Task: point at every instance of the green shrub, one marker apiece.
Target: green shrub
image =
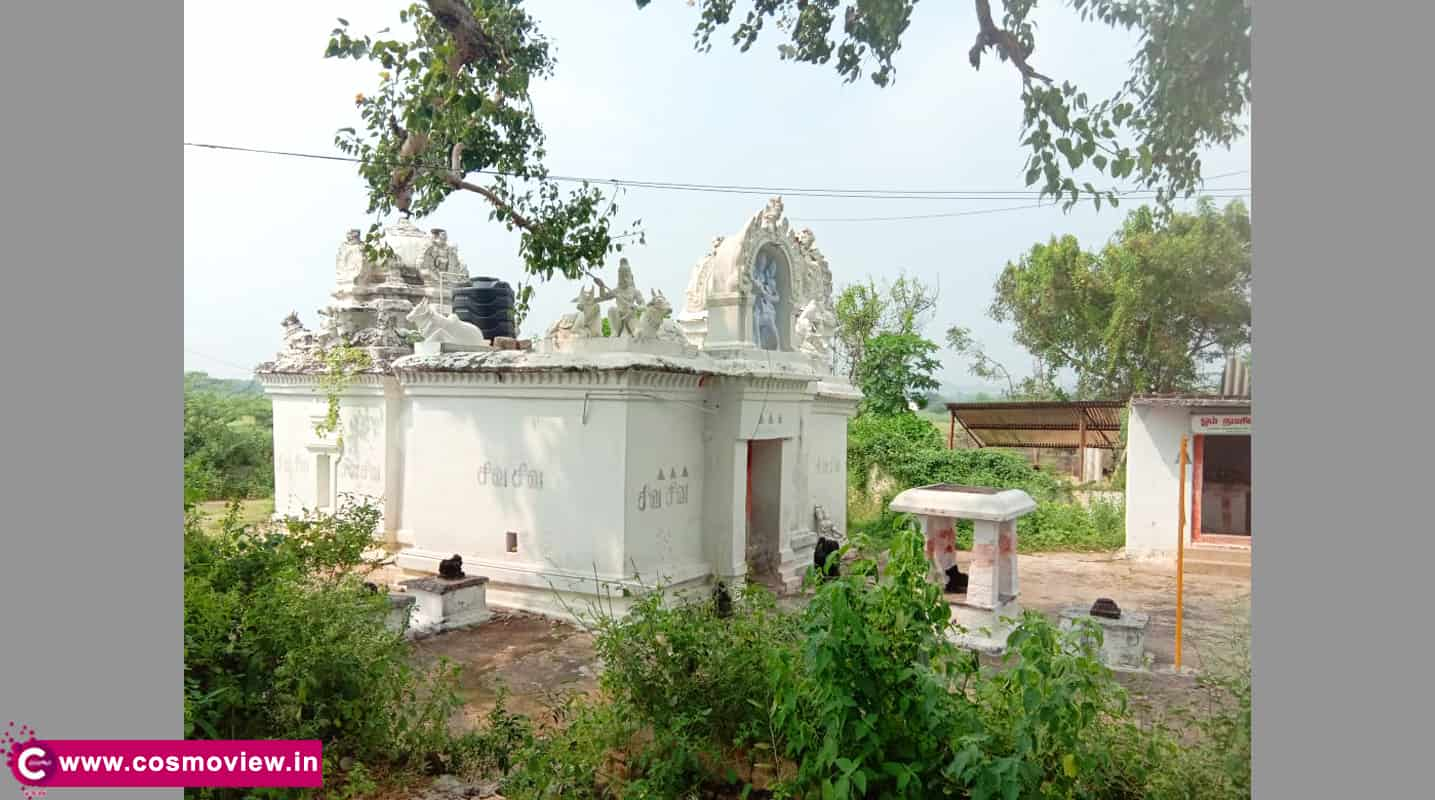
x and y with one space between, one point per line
284 641
861 694
910 451
869 709
1068 526
684 666
228 442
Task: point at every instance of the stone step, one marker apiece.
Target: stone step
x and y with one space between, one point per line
1224 563
1232 555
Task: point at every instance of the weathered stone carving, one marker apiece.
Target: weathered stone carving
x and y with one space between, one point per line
447 328
824 525
441 261
350 266
584 323
297 338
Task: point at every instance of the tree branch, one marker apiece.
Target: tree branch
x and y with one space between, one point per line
471 41
1004 41
455 179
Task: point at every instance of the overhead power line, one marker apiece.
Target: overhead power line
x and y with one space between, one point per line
788 191
219 360
973 212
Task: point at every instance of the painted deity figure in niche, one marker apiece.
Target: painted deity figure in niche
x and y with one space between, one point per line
764 307
627 301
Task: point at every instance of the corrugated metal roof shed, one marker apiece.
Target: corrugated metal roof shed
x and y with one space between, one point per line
1048 425
1234 403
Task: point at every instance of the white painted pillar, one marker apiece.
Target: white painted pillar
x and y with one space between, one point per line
1006 561
983 584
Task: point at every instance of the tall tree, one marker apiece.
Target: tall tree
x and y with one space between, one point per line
865 310
896 372
1041 384
1189 88
1165 297
452 113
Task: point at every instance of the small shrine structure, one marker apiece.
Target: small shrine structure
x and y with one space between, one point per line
574 466
990 600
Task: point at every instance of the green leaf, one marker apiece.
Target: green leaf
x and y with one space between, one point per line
1068 765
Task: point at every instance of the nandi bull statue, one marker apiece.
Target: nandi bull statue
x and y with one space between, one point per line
444 328
583 323
654 314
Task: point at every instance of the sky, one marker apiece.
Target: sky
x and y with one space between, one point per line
631 99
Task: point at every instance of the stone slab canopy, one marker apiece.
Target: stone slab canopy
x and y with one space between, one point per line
992 588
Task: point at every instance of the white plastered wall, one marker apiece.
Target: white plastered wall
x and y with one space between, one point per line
1153 449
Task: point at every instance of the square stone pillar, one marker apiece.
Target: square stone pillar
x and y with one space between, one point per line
1006 561
984 583
982 614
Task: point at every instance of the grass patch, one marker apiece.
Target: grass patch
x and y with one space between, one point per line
251 512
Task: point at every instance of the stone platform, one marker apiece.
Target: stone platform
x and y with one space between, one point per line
443 604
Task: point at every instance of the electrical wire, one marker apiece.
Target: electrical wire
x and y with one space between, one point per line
854 194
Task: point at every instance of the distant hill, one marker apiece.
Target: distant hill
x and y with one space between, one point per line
201 381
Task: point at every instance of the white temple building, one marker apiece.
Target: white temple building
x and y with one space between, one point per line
678 451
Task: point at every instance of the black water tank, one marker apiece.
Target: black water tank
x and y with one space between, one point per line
488 304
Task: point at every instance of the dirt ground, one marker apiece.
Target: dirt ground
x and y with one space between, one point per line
539 660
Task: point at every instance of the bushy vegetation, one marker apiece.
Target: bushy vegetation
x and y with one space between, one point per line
906 450
228 439
283 640
861 694
858 694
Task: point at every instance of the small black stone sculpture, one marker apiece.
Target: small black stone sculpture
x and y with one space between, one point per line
1105 607
956 581
722 600
451 568
825 548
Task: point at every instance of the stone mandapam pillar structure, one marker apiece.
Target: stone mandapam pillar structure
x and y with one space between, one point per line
992 587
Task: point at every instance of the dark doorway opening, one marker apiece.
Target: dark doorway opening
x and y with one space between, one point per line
764 494
1222 487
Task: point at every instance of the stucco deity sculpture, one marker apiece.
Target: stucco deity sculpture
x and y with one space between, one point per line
627 301
764 308
436 327
812 333
350 266
583 323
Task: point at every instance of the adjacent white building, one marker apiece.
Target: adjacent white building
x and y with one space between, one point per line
1217 432
578 467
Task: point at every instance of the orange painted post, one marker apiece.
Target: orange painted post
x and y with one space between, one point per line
1180 554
